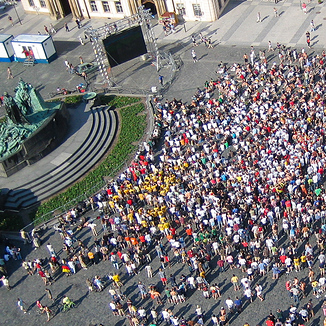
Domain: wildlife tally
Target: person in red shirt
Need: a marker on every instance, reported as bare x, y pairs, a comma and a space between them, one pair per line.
189, 232
269, 322
282, 259
142, 239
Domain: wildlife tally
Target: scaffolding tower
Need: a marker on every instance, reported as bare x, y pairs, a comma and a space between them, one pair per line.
96, 36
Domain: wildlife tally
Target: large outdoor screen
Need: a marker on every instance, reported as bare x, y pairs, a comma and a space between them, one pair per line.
124, 46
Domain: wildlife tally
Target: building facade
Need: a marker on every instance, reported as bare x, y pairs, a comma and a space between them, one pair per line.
189, 10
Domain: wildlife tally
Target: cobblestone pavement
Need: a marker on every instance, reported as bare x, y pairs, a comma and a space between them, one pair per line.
232, 35
92, 308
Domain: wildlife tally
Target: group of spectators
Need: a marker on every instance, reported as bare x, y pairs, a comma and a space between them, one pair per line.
237, 184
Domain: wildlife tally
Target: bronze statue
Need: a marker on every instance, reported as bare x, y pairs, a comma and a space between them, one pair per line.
23, 98
25, 113
12, 109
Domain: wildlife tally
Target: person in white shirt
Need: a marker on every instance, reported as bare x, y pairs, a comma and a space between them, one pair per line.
229, 304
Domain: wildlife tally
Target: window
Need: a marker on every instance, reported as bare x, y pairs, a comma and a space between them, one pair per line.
118, 6
181, 9
42, 3
31, 3
106, 7
197, 10
93, 6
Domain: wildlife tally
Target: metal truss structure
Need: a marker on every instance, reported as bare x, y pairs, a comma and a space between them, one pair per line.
142, 18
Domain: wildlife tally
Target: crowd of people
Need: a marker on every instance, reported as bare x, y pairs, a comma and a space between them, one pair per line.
238, 185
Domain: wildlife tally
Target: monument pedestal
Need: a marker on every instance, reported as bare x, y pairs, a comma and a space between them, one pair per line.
40, 143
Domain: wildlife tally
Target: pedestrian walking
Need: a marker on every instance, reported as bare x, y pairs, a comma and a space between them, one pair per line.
245, 58
51, 250
258, 17
21, 305
270, 47
193, 40
308, 42
92, 226
5, 282
160, 78
48, 312
81, 40
259, 291
252, 57
52, 29
149, 271
295, 295
49, 294
9, 73
66, 27
304, 7
275, 12
27, 268
46, 30
194, 55
25, 236
312, 26
78, 23
11, 21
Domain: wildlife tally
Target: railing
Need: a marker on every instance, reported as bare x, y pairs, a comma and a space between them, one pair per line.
175, 62
51, 216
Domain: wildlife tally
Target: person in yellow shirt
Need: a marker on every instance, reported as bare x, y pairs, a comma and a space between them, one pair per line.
296, 262
166, 227
234, 281
130, 217
161, 227
144, 223
116, 279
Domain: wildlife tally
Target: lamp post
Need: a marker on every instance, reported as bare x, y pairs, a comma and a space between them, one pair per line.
14, 3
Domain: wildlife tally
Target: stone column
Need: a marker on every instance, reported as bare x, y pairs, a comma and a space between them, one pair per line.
133, 7
58, 5
73, 8
160, 7
50, 7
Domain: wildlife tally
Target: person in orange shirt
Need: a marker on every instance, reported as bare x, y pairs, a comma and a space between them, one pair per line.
169, 237
127, 239
189, 232
134, 241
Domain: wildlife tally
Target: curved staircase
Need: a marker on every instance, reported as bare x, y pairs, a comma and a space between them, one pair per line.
101, 133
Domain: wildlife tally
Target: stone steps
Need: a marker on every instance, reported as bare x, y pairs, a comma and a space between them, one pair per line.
95, 145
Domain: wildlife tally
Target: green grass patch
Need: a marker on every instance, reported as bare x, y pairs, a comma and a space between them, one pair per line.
74, 99
133, 127
118, 101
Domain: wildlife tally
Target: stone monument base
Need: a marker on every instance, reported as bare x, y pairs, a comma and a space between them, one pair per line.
41, 142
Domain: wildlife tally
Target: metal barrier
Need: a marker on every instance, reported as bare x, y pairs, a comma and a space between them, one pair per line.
46, 218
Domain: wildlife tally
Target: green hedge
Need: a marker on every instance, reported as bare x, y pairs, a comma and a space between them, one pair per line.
74, 99
132, 129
